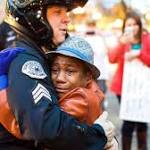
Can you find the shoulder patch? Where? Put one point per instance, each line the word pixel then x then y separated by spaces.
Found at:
pixel 33 69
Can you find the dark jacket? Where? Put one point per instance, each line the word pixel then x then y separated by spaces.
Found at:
pixel 33 101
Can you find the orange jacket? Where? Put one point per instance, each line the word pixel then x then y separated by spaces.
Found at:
pixel 7 119
pixel 85 104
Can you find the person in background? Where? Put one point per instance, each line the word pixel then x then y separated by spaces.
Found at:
pixel 132 39
pixel 7 36
pixel 41 26
pixel 100 54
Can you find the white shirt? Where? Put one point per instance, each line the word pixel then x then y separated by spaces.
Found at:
pixel 100 54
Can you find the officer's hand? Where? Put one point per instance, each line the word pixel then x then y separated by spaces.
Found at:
pixel 112 145
pixel 106 125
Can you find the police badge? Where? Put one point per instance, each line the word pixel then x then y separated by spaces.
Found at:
pixel 33 69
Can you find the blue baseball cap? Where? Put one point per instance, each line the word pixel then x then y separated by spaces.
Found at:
pixel 77 47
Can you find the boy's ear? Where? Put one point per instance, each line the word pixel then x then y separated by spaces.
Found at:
pixel 89 77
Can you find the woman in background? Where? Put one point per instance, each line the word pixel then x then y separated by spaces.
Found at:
pixel 131 39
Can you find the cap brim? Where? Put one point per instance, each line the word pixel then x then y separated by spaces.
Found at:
pixel 95 71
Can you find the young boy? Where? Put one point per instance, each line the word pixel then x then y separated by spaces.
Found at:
pixel 73 75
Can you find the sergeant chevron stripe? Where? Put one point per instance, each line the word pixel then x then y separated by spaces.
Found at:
pixel 39 92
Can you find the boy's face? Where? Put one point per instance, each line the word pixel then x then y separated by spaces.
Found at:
pixel 68 73
pixel 58 19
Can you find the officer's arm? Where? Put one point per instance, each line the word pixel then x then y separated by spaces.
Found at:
pixel 34 103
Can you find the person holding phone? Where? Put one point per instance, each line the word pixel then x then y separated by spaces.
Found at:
pixel 133 44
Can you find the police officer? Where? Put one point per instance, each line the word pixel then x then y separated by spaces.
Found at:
pixel 42 25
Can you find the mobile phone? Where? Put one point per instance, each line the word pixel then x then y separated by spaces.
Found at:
pixel 128 31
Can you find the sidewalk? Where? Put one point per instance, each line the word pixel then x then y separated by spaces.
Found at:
pixel 113 109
